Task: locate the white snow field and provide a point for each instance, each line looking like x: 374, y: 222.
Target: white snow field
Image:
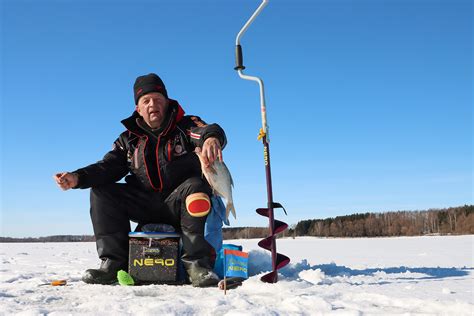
x: 361, y: 276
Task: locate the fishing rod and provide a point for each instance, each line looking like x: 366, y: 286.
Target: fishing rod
x: 275, y: 226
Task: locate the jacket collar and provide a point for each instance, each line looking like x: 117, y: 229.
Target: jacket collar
x: 176, y: 114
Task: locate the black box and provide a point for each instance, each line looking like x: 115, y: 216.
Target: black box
x: 154, y: 257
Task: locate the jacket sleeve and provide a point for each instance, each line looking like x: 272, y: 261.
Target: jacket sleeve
x: 110, y: 169
x: 199, y: 131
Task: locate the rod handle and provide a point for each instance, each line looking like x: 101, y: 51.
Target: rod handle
x: 239, y: 58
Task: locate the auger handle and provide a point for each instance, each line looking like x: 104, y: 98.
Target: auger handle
x: 239, y: 59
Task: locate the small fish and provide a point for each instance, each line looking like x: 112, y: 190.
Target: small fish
x: 220, y: 180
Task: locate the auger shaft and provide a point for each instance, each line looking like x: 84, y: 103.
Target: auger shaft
x: 275, y: 226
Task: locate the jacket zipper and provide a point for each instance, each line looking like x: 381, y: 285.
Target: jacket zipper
x: 157, y: 155
x: 146, y: 167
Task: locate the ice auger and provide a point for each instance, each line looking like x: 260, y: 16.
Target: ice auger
x: 275, y: 226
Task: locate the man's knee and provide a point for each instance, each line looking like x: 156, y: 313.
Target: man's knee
x: 95, y: 194
x: 106, y: 199
x: 198, y: 204
x: 195, y: 185
x: 105, y: 192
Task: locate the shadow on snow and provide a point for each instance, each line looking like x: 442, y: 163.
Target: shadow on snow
x: 260, y: 261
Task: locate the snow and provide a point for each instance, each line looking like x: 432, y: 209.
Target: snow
x: 360, y: 276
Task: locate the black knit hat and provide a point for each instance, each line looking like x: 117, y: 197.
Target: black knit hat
x: 148, y: 83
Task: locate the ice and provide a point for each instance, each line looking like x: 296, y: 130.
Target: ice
x: 327, y: 276
x: 314, y: 276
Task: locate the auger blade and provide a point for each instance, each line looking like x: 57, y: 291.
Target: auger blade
x: 280, y: 226
x: 265, y: 211
x: 262, y: 211
x: 271, y: 277
x: 269, y: 243
x: 266, y: 243
x: 278, y: 205
x: 281, y: 261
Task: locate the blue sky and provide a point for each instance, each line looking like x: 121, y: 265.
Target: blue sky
x: 369, y: 102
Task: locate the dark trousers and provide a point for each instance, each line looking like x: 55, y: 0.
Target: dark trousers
x: 113, y: 206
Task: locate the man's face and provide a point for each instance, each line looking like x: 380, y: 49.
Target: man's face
x: 153, y: 107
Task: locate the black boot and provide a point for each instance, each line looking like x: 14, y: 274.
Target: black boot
x: 197, y: 261
x: 201, y: 277
x: 106, y: 274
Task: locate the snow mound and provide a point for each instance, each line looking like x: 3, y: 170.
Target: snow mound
x: 312, y: 276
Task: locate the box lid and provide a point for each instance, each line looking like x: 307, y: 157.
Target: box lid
x: 153, y: 235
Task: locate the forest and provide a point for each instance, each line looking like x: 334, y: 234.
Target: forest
x: 453, y: 220
x: 448, y: 221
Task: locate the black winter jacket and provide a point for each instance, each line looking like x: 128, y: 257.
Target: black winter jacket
x: 154, y: 162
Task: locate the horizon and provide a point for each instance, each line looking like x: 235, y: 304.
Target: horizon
x: 290, y: 225
x: 369, y: 103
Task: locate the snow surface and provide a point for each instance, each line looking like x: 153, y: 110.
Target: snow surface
x: 360, y: 276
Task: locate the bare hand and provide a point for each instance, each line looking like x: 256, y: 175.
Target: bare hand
x: 66, y: 180
x: 211, y: 150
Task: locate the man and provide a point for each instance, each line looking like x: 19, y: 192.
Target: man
x: 164, y: 182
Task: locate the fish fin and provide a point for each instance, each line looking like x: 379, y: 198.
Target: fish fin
x: 230, y: 208
x: 230, y: 175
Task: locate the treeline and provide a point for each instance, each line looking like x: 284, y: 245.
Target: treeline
x: 58, y: 238
x: 252, y: 232
x: 454, y: 220
x: 244, y: 232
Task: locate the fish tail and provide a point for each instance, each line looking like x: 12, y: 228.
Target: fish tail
x: 230, y: 208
